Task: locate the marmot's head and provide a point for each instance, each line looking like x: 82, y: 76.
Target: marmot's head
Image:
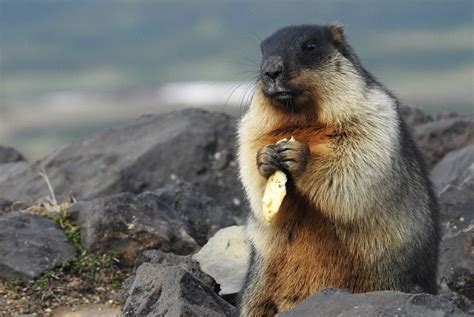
x: 308, y: 67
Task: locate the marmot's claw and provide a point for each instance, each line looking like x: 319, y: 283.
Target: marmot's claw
x: 293, y: 156
x: 288, y: 156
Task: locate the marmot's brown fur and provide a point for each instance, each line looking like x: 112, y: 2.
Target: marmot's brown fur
x: 360, y: 213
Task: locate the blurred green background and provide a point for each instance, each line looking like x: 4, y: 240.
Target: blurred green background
x: 69, y: 68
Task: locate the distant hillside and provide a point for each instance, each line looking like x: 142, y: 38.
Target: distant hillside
x: 68, y: 68
x: 107, y: 45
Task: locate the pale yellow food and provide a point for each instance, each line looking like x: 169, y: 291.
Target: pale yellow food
x: 275, y: 192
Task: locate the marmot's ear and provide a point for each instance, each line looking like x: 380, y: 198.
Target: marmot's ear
x: 337, y: 32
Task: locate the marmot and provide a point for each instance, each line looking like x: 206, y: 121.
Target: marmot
x: 360, y: 212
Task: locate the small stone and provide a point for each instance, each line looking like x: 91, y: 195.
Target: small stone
x: 236, y: 201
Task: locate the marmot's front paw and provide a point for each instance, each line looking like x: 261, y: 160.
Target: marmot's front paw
x: 268, y: 160
x: 288, y: 156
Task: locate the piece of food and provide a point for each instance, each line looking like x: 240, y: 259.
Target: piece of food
x: 275, y: 192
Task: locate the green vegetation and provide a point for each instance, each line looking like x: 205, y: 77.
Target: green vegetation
x: 87, y: 265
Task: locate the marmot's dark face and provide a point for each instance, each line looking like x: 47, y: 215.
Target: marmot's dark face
x: 290, y: 54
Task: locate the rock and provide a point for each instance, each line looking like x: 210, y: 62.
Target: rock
x: 30, y: 245
x: 437, y: 138
x: 414, y: 116
x: 170, y: 259
x: 456, y: 265
x: 170, y: 285
x: 9, y: 154
x: 456, y: 202
x: 225, y: 258
x: 191, y: 145
x: 461, y: 301
x: 203, y: 214
x: 334, y: 302
x: 452, y: 167
x: 9, y: 170
x: 175, y: 219
x: 129, y: 223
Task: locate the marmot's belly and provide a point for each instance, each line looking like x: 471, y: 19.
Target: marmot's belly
x: 308, y: 258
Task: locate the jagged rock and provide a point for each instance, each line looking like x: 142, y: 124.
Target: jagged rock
x: 191, y: 145
x: 9, y: 154
x: 414, y: 116
x: 456, y: 265
x: 456, y: 202
x: 437, y: 138
x: 177, y: 219
x: 30, y: 245
x: 452, y: 167
x: 170, y: 259
x: 203, y: 214
x: 335, y: 302
x: 225, y: 258
x: 171, y: 285
x: 129, y: 223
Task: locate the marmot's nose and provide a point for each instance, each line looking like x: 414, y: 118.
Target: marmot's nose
x: 272, y: 67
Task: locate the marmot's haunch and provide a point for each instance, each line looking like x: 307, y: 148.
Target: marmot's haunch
x: 359, y: 212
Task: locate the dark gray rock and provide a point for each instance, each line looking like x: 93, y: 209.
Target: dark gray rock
x: 452, y: 167
x: 203, y: 214
x: 456, y: 202
x: 456, y: 266
x: 177, y: 218
x: 191, y: 145
x: 437, y: 138
x: 414, y: 116
x: 170, y: 285
x: 461, y: 301
x: 9, y: 154
x: 170, y: 259
x: 334, y: 302
x: 30, y: 245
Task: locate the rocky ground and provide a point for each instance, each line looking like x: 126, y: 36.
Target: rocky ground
x: 130, y: 218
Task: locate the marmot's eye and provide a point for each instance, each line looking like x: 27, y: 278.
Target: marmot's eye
x: 309, y: 46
